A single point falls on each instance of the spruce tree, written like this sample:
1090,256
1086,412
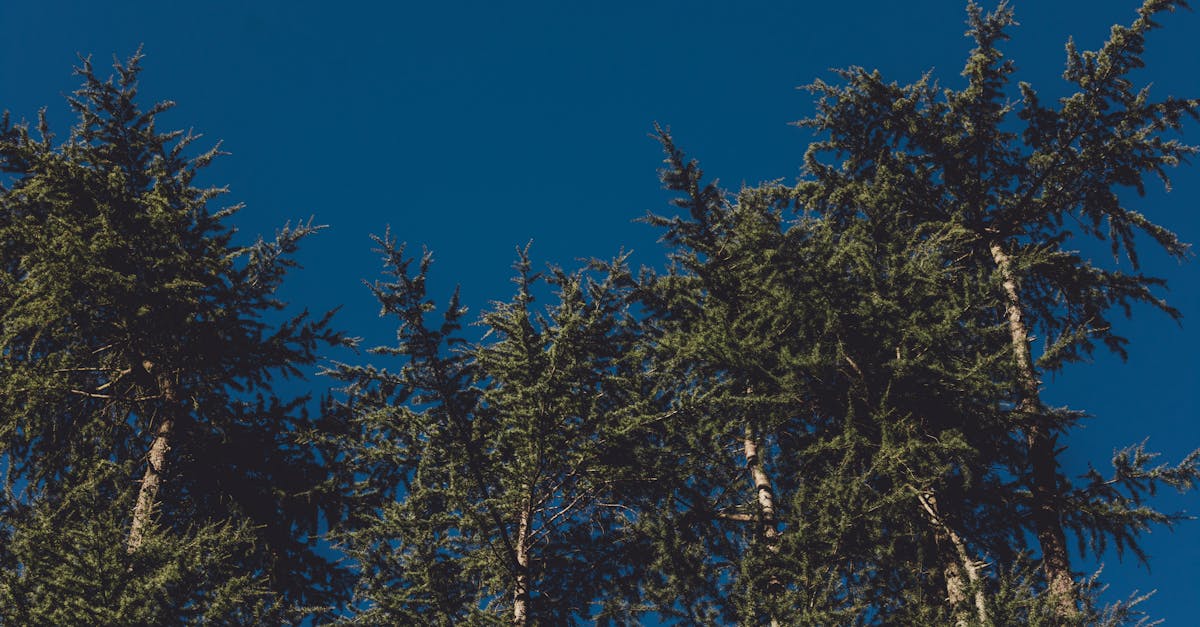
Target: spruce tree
861,364
65,561
827,409
138,341
711,319
487,477
1027,180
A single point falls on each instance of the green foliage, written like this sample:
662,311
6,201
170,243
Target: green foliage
65,563
960,155
125,306
1025,180
866,368
490,475
824,409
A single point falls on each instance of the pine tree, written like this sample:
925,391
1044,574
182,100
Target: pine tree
827,409
138,339
65,562
1015,185
861,364
718,525
487,476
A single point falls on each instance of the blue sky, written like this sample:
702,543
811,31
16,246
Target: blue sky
472,128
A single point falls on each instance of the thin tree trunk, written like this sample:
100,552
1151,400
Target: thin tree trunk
1056,562
157,462
764,496
961,571
521,591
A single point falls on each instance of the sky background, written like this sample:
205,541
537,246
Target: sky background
472,128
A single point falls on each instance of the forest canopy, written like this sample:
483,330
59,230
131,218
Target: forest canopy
824,405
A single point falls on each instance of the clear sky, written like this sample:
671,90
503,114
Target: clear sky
472,127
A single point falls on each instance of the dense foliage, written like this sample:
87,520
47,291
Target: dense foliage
823,408
136,407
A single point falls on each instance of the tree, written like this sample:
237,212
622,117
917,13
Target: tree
65,562
849,367
826,409
137,338
714,321
1014,185
487,477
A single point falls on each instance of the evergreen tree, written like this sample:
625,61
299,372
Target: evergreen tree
850,370
827,409
487,477
1015,185
65,562
715,322
137,339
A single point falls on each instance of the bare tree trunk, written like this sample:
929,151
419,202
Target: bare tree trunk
521,591
157,462
764,496
961,571
1056,562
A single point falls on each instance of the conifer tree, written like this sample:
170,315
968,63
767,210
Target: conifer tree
486,477
867,362
707,317
65,562
827,409
136,338
1016,175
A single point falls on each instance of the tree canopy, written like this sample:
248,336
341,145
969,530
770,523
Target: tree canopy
139,353
825,406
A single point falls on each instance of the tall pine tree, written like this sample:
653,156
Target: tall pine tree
1018,175
487,477
140,343
844,367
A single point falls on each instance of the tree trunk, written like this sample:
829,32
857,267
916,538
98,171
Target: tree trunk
157,462
521,590
1056,562
960,570
765,498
